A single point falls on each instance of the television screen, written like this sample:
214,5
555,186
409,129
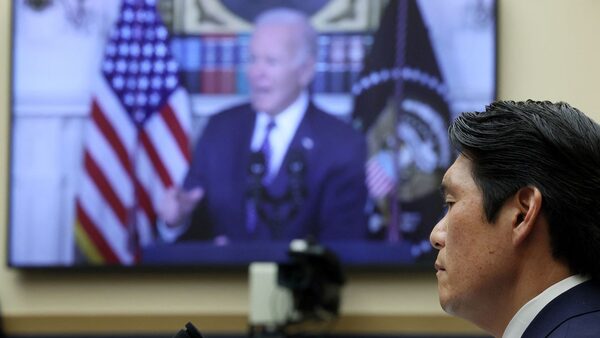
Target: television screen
115,104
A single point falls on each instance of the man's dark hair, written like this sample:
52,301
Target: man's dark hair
551,146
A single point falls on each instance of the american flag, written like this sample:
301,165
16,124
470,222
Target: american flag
136,139
381,175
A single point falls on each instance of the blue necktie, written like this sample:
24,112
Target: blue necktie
251,205
266,150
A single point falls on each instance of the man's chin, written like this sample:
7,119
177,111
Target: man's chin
261,107
447,306
444,299
260,101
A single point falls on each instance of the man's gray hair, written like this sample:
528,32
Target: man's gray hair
289,16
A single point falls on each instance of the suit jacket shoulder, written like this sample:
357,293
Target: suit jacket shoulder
329,125
575,313
231,116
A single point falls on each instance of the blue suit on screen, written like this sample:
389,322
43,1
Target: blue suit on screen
332,184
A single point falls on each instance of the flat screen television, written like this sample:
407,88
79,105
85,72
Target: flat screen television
397,71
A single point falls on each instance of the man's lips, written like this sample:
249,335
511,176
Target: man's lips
439,267
257,89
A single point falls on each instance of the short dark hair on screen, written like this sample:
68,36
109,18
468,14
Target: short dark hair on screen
552,146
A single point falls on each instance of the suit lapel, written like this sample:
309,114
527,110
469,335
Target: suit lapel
244,130
578,300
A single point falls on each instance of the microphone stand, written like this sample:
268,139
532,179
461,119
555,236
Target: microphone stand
274,210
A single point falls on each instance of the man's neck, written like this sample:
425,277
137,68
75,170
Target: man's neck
533,279
526,314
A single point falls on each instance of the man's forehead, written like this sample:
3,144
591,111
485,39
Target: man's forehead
277,35
460,167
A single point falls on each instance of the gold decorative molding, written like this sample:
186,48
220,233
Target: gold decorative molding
227,323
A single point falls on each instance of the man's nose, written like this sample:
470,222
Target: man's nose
437,238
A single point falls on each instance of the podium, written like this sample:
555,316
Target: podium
362,253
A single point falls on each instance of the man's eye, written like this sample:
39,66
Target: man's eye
447,205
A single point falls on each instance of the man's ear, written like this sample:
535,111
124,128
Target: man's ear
307,73
528,204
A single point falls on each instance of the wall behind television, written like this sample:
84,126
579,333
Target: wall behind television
547,50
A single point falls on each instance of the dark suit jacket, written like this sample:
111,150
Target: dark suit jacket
575,313
334,155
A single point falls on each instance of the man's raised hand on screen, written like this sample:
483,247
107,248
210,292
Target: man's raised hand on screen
178,204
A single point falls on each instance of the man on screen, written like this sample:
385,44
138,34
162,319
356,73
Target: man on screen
277,168
520,242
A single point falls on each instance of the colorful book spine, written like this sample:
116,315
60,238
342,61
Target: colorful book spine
243,56
187,51
208,71
319,84
226,67
338,64
356,55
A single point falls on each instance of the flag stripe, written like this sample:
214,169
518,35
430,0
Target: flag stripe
177,131
119,178
115,233
167,150
155,159
149,180
110,134
91,230
180,104
105,188
379,182
85,245
116,114
144,201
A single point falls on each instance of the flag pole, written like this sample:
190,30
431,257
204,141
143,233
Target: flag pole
132,223
393,235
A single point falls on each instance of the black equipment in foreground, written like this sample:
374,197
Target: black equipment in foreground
314,276
189,331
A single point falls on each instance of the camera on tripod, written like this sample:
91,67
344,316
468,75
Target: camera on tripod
304,289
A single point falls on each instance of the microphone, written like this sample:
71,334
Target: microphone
255,191
296,170
257,166
189,331
257,169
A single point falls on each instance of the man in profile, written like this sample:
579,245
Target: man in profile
277,168
519,246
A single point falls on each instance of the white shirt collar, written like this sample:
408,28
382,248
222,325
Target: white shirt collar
521,320
286,124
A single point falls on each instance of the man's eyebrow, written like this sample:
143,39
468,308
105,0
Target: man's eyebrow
443,189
